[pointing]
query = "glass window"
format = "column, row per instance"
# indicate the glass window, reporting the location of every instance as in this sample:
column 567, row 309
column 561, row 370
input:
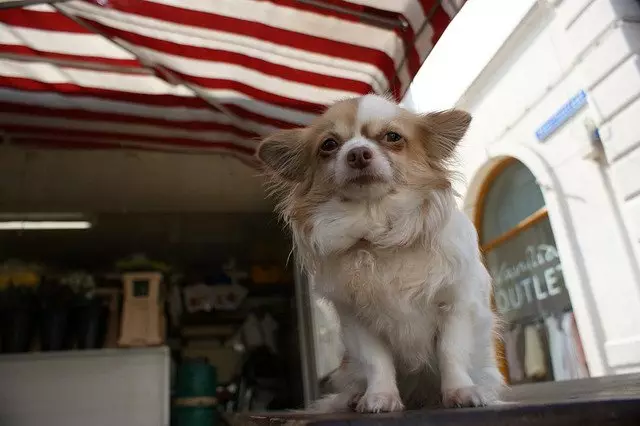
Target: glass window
column 513, row 196
column 541, row 339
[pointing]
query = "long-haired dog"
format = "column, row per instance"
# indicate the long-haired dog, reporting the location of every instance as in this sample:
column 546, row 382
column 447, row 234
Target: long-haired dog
column 366, row 190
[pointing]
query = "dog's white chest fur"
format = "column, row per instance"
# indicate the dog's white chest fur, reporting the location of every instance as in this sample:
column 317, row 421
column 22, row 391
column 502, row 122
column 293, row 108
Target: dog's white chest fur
column 391, row 295
column 379, row 263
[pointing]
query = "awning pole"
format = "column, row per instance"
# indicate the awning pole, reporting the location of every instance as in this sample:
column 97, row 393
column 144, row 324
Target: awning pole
column 7, row 4
column 169, row 76
column 76, row 64
column 368, row 18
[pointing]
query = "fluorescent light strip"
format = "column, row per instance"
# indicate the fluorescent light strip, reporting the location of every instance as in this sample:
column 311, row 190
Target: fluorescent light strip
column 41, row 217
column 19, row 225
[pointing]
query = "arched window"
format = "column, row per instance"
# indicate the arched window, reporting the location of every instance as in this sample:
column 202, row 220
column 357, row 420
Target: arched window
column 541, row 340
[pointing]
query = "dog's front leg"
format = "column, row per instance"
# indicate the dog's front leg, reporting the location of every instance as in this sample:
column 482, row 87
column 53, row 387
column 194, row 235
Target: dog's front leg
column 376, row 362
column 455, row 343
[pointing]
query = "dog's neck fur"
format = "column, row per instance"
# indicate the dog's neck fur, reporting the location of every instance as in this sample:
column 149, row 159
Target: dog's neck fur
column 402, row 219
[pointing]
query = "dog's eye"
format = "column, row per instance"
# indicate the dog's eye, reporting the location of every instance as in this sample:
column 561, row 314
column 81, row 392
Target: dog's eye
column 392, row 137
column 329, row 145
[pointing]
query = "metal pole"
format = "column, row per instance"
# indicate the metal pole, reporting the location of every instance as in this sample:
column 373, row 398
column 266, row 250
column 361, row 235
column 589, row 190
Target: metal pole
column 166, row 73
column 76, row 64
column 365, row 17
column 306, row 336
column 8, row 4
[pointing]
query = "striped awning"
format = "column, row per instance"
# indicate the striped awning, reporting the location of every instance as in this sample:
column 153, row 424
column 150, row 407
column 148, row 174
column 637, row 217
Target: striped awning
column 199, row 75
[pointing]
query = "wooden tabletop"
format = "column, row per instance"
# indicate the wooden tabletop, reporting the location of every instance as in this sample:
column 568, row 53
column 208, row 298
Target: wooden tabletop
column 613, row 400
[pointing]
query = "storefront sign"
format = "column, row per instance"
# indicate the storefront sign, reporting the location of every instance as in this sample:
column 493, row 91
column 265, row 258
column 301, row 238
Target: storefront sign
column 527, row 276
column 557, row 120
column 534, row 283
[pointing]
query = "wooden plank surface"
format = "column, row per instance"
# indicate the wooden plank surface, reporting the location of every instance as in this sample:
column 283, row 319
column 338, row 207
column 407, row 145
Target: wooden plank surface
column 604, row 401
column 593, row 389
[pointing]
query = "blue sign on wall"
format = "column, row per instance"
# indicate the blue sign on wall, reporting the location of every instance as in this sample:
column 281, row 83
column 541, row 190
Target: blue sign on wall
column 557, row 120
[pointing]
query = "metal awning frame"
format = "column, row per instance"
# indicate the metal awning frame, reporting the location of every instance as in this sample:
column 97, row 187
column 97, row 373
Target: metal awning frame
column 151, row 68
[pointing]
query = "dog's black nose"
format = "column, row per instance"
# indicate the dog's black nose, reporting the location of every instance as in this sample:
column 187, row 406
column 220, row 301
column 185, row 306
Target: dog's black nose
column 359, row 157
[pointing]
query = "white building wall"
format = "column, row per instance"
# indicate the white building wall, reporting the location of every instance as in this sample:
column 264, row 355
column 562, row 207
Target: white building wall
column 593, row 201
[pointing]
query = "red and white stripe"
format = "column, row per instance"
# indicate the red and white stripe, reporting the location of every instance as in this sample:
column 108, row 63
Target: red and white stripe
column 195, row 75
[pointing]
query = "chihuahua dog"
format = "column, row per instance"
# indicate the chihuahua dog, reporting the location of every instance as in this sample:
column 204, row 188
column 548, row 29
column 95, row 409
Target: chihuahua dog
column 366, row 191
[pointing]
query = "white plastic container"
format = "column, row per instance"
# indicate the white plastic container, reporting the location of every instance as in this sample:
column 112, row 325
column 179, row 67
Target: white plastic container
column 78, row 388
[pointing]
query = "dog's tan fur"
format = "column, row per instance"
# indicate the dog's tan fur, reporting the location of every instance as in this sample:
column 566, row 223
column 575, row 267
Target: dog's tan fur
column 387, row 245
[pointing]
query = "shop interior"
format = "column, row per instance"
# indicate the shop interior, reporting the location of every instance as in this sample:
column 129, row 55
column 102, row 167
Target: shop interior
column 119, row 250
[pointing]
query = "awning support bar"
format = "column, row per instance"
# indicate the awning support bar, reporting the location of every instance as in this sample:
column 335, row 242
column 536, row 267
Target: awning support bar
column 8, row 4
column 367, row 18
column 163, row 72
column 71, row 63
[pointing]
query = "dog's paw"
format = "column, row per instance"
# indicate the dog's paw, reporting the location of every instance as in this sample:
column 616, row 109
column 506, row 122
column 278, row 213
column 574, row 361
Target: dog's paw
column 355, row 400
column 332, row 403
column 379, row 402
column 470, row 396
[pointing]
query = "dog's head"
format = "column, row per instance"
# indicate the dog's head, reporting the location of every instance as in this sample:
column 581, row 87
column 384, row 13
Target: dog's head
column 365, row 148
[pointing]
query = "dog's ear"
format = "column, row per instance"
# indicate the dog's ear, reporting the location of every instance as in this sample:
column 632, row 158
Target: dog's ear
column 443, row 130
column 283, row 153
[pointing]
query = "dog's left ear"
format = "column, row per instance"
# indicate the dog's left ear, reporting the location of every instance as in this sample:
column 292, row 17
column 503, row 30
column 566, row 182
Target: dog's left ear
column 443, row 130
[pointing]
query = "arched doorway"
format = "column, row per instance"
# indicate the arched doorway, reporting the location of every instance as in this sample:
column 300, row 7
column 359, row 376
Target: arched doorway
column 541, row 341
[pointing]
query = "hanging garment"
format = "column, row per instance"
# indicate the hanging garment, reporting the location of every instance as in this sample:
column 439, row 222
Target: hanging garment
column 514, row 361
column 557, row 348
column 269, row 331
column 535, row 365
column 573, row 362
column 579, row 348
column 566, row 361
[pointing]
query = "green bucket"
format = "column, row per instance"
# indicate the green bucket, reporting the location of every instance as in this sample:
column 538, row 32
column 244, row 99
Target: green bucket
column 194, row 416
column 194, row 403
column 196, row 378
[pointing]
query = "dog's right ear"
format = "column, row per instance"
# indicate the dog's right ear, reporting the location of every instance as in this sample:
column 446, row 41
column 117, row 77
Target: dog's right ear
column 283, row 153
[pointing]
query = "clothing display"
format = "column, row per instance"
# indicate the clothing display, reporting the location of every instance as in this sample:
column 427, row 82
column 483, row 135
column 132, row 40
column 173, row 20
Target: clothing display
column 565, row 359
column 548, row 348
